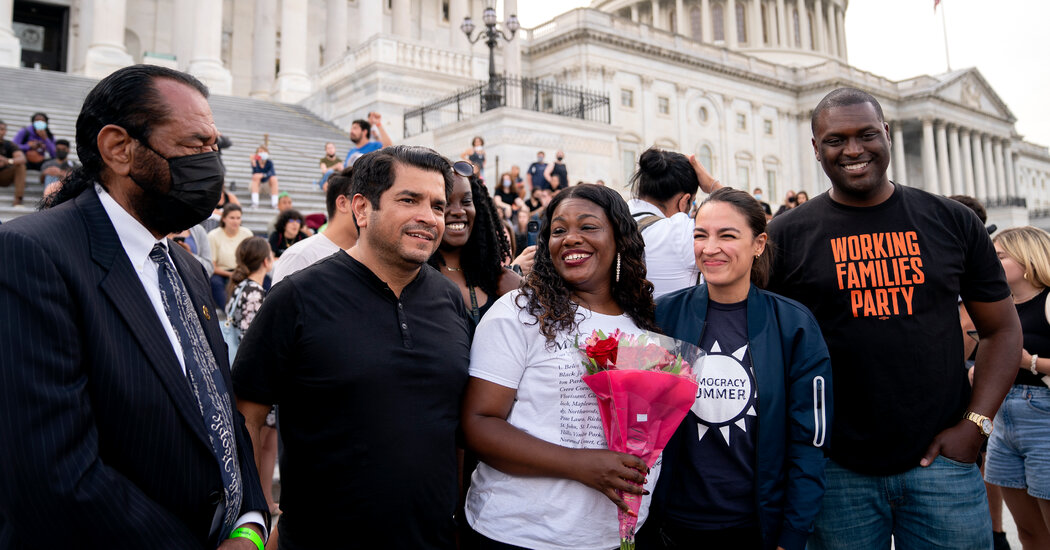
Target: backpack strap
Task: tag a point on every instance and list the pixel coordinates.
(644, 222)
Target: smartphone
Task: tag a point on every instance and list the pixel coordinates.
(533, 231)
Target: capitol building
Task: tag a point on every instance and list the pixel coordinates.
(732, 81)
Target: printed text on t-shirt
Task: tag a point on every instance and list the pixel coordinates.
(880, 271)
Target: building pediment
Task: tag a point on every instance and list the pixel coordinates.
(966, 88)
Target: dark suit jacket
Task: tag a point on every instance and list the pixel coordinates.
(102, 444)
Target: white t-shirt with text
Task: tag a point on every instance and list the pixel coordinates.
(555, 405)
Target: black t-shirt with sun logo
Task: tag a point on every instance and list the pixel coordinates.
(712, 483)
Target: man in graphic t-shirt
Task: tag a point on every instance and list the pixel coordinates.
(881, 266)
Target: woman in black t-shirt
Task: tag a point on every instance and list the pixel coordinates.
(287, 231)
(473, 247)
(1018, 457)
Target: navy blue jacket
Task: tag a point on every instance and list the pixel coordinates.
(793, 374)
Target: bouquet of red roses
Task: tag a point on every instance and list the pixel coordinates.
(645, 386)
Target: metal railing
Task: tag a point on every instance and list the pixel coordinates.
(525, 93)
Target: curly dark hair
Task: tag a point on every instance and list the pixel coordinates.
(284, 217)
(547, 297)
(482, 256)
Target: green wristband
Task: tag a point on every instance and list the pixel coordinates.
(244, 532)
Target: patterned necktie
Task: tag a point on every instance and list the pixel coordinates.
(206, 382)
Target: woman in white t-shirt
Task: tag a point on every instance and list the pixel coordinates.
(547, 479)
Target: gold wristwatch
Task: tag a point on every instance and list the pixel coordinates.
(982, 421)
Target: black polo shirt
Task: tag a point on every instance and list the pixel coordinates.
(369, 389)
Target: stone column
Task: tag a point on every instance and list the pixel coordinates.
(818, 33)
(782, 32)
(10, 48)
(634, 13)
(900, 171)
(730, 26)
(370, 18)
(833, 31)
(841, 25)
(681, 21)
(264, 48)
(335, 32)
(966, 163)
(989, 167)
(106, 51)
(654, 11)
(457, 10)
(929, 158)
(512, 49)
(978, 167)
(293, 84)
(755, 40)
(1011, 181)
(206, 61)
(803, 25)
(1000, 169)
(401, 24)
(706, 22)
(958, 183)
(944, 174)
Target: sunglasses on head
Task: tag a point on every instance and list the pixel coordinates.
(463, 168)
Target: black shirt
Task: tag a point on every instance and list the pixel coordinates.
(7, 149)
(368, 388)
(884, 282)
(708, 481)
(1036, 333)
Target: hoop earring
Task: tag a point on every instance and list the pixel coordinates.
(617, 267)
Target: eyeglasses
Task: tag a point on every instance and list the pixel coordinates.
(463, 168)
(293, 220)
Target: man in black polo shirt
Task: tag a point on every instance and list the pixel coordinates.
(366, 354)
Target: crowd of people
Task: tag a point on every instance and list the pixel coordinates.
(417, 354)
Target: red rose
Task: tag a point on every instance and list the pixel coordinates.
(604, 352)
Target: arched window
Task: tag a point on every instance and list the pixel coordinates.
(696, 23)
(741, 23)
(795, 24)
(705, 158)
(718, 20)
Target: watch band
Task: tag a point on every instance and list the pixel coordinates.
(981, 421)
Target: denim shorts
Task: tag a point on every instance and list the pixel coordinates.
(1019, 448)
(941, 506)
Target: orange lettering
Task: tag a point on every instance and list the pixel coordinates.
(913, 243)
(908, 292)
(916, 266)
(856, 300)
(838, 249)
(840, 272)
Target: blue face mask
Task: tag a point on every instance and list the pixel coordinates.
(40, 125)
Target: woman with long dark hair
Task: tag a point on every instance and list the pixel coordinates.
(746, 467)
(547, 479)
(473, 247)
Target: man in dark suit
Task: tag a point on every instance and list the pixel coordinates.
(119, 428)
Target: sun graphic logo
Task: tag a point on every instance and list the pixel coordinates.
(726, 392)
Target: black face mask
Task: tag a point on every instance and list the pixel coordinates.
(61, 155)
(196, 186)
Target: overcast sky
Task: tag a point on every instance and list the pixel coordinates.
(1007, 40)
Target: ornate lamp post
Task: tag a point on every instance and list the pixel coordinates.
(493, 96)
